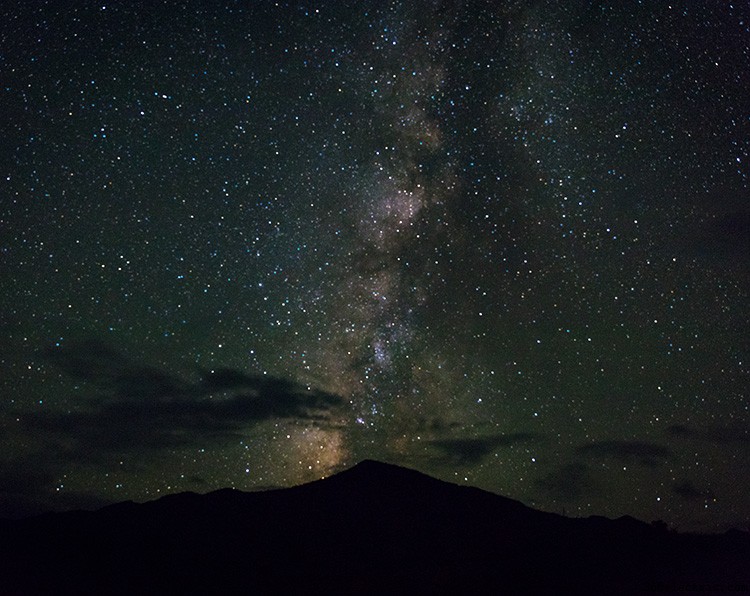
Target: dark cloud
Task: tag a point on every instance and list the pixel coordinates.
(20, 476)
(16, 505)
(134, 407)
(224, 379)
(114, 373)
(569, 483)
(27, 487)
(721, 435)
(644, 453)
(436, 424)
(471, 451)
(688, 491)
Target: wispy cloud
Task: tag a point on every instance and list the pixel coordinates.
(568, 483)
(133, 406)
(722, 435)
(642, 452)
(472, 450)
(690, 492)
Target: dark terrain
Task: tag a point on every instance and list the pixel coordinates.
(376, 528)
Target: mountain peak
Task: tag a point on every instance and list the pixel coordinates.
(399, 529)
(369, 471)
(373, 465)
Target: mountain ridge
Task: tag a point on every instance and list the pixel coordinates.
(372, 528)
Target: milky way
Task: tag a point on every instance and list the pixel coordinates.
(251, 244)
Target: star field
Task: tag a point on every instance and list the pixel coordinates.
(251, 243)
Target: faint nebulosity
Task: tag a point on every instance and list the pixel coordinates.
(249, 244)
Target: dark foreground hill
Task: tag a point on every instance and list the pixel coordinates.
(375, 528)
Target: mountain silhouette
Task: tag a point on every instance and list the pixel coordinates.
(373, 529)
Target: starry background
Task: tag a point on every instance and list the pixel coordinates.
(250, 243)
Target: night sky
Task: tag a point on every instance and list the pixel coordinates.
(249, 244)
